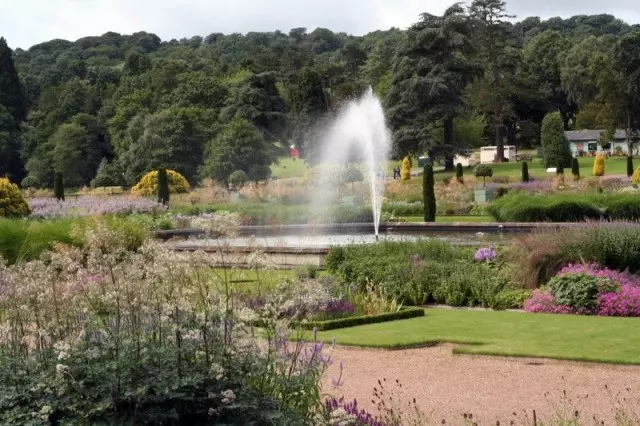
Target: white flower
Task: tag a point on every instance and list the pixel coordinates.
(63, 355)
(228, 396)
(217, 371)
(62, 369)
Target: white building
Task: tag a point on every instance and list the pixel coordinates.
(488, 154)
(588, 142)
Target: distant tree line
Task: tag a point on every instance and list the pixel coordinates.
(106, 110)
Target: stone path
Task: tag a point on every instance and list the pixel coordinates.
(492, 389)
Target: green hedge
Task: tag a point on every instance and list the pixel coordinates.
(522, 207)
(403, 313)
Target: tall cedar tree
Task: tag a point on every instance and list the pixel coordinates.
(163, 187)
(492, 33)
(13, 109)
(429, 76)
(428, 194)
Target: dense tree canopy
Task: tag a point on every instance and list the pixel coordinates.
(128, 104)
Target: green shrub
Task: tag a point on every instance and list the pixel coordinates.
(521, 207)
(238, 179)
(510, 299)
(12, 203)
(580, 291)
(414, 273)
(404, 313)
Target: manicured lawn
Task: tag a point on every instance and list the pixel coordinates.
(582, 338)
(450, 219)
(613, 166)
(289, 168)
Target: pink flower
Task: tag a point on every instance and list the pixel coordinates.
(543, 302)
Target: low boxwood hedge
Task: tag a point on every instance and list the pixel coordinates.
(403, 313)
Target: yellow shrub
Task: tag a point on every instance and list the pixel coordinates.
(12, 203)
(598, 165)
(405, 172)
(148, 185)
(635, 179)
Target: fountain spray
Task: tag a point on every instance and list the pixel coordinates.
(361, 128)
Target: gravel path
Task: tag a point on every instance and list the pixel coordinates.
(490, 388)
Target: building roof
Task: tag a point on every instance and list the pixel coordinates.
(591, 135)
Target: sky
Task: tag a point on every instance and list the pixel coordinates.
(27, 22)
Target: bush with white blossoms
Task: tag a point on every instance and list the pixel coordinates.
(104, 334)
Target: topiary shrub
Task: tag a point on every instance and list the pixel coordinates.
(148, 185)
(459, 173)
(29, 182)
(525, 172)
(12, 203)
(556, 150)
(428, 193)
(163, 187)
(575, 169)
(58, 186)
(598, 165)
(238, 179)
(484, 172)
(405, 172)
(635, 178)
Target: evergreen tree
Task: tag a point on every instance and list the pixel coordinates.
(525, 171)
(556, 151)
(308, 103)
(163, 187)
(629, 166)
(459, 173)
(430, 74)
(58, 186)
(575, 168)
(13, 109)
(428, 195)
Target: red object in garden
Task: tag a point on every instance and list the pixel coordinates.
(294, 152)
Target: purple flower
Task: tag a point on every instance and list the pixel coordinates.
(486, 254)
(363, 418)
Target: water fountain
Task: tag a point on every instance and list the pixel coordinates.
(360, 128)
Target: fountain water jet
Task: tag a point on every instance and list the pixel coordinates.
(359, 128)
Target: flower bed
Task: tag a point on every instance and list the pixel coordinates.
(588, 289)
(49, 208)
